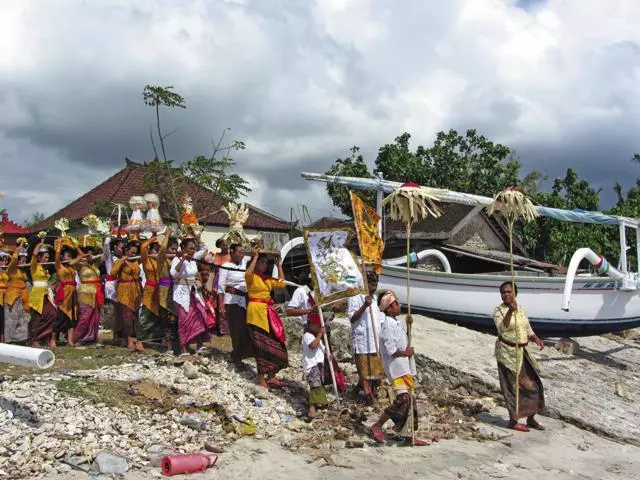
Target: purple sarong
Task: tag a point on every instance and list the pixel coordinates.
(193, 323)
(88, 324)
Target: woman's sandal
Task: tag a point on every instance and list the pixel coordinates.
(377, 434)
(535, 425)
(518, 427)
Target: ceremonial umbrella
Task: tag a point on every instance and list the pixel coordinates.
(409, 204)
(513, 205)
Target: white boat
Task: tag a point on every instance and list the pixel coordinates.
(561, 305)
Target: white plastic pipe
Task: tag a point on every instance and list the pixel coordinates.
(26, 356)
(419, 256)
(597, 261)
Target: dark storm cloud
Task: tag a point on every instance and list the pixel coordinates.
(301, 82)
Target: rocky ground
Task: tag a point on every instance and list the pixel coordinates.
(110, 411)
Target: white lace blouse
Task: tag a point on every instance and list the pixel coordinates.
(184, 280)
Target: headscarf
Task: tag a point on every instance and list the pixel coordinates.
(387, 299)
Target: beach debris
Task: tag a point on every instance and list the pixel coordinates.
(190, 370)
(621, 391)
(111, 464)
(568, 346)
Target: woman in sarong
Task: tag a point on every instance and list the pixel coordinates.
(204, 282)
(149, 327)
(66, 296)
(516, 365)
(126, 272)
(192, 316)
(267, 331)
(90, 298)
(5, 257)
(168, 248)
(16, 310)
(43, 312)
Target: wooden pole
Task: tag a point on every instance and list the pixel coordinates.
(510, 224)
(409, 322)
(328, 348)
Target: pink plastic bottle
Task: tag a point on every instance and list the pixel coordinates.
(191, 463)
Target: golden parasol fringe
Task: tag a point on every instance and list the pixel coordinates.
(513, 205)
(409, 204)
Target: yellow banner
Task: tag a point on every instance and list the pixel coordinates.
(366, 220)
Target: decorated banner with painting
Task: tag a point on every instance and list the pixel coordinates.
(334, 269)
(371, 244)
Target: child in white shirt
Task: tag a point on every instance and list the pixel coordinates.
(313, 365)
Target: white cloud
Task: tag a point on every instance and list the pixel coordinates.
(303, 81)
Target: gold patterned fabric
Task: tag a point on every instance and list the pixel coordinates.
(128, 275)
(40, 288)
(506, 354)
(366, 220)
(89, 278)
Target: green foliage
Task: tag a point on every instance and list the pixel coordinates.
(37, 217)
(556, 241)
(213, 173)
(353, 166)
(155, 96)
(469, 163)
(170, 180)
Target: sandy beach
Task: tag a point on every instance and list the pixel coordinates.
(591, 432)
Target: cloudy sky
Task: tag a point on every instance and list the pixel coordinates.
(301, 81)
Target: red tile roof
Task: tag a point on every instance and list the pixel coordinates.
(126, 183)
(9, 227)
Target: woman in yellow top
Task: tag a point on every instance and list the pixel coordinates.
(43, 312)
(127, 273)
(267, 331)
(150, 326)
(66, 296)
(516, 362)
(16, 310)
(90, 297)
(4, 281)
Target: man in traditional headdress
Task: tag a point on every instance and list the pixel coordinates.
(365, 321)
(400, 370)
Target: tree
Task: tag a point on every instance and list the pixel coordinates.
(172, 180)
(353, 166)
(36, 217)
(556, 241)
(211, 172)
(469, 163)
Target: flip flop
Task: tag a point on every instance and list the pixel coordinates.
(377, 434)
(535, 425)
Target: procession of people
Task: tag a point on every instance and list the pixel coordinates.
(171, 291)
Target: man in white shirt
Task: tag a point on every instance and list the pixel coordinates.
(232, 303)
(365, 323)
(399, 368)
(302, 302)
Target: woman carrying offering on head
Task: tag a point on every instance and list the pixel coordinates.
(267, 331)
(4, 281)
(192, 316)
(90, 297)
(65, 297)
(516, 362)
(43, 312)
(126, 272)
(16, 309)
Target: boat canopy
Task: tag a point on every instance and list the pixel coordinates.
(378, 184)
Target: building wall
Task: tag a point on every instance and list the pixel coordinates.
(478, 225)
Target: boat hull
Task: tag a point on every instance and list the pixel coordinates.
(597, 306)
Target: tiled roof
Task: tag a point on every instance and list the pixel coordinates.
(432, 228)
(9, 227)
(126, 183)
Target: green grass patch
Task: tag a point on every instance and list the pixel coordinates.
(123, 395)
